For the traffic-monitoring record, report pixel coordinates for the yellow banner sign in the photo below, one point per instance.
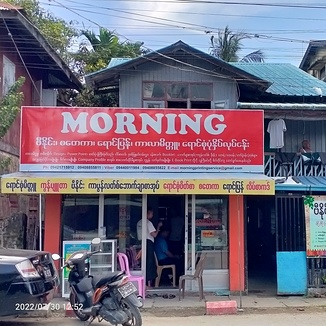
(53, 185)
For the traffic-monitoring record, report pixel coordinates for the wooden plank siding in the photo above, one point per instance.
(131, 82)
(297, 131)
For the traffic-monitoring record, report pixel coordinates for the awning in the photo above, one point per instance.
(303, 183)
(137, 183)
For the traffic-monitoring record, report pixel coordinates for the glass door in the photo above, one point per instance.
(207, 233)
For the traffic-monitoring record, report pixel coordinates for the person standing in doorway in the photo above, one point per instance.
(151, 234)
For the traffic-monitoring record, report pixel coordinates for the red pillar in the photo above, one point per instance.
(52, 225)
(236, 239)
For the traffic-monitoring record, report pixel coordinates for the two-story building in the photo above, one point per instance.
(25, 52)
(251, 241)
(275, 227)
(294, 103)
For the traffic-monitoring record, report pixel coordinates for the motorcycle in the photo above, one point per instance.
(111, 298)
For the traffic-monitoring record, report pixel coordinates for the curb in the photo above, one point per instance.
(173, 311)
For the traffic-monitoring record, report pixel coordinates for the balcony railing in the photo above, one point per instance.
(292, 164)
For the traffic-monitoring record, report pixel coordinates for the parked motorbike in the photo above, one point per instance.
(111, 298)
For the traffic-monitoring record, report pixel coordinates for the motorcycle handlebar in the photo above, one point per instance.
(64, 266)
(89, 254)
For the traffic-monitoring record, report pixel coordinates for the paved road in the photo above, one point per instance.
(286, 319)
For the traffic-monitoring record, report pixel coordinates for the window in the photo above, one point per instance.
(80, 217)
(9, 75)
(153, 90)
(221, 104)
(200, 92)
(177, 95)
(121, 215)
(154, 104)
(176, 91)
(211, 230)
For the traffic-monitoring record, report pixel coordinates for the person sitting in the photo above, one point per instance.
(308, 156)
(306, 147)
(164, 256)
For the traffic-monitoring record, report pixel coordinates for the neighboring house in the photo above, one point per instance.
(180, 76)
(297, 98)
(293, 97)
(314, 59)
(25, 52)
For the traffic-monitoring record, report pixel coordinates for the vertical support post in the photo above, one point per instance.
(193, 236)
(236, 243)
(40, 220)
(144, 236)
(101, 217)
(186, 233)
(240, 247)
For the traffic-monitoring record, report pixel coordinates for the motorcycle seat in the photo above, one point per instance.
(112, 277)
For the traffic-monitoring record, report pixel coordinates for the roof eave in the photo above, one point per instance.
(96, 80)
(72, 80)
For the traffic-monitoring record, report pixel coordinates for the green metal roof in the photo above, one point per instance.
(303, 183)
(117, 61)
(286, 78)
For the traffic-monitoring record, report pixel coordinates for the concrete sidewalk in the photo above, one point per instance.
(248, 302)
(191, 306)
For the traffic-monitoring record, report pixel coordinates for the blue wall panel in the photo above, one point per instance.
(291, 272)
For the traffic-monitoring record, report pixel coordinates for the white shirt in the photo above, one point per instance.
(276, 129)
(150, 229)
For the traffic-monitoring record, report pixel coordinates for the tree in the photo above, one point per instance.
(228, 44)
(96, 51)
(9, 108)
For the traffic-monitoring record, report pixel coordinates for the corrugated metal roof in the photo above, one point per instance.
(303, 184)
(117, 61)
(286, 78)
(110, 75)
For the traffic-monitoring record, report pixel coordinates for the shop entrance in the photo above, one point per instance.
(261, 245)
(198, 225)
(170, 211)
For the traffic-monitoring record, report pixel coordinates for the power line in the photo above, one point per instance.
(200, 28)
(230, 3)
(194, 13)
(201, 70)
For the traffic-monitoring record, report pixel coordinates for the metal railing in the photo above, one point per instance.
(296, 168)
(316, 272)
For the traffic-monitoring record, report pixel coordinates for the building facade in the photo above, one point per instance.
(25, 53)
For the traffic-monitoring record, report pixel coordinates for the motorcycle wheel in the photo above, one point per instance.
(74, 303)
(134, 312)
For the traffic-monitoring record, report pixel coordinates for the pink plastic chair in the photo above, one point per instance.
(124, 265)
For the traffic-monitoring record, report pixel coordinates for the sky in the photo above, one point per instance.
(281, 29)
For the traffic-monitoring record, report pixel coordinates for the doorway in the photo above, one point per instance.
(261, 245)
(170, 211)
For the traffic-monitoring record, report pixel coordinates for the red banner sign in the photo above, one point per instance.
(118, 139)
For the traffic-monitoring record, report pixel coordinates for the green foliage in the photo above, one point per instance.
(96, 51)
(87, 98)
(309, 201)
(10, 106)
(228, 44)
(4, 164)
